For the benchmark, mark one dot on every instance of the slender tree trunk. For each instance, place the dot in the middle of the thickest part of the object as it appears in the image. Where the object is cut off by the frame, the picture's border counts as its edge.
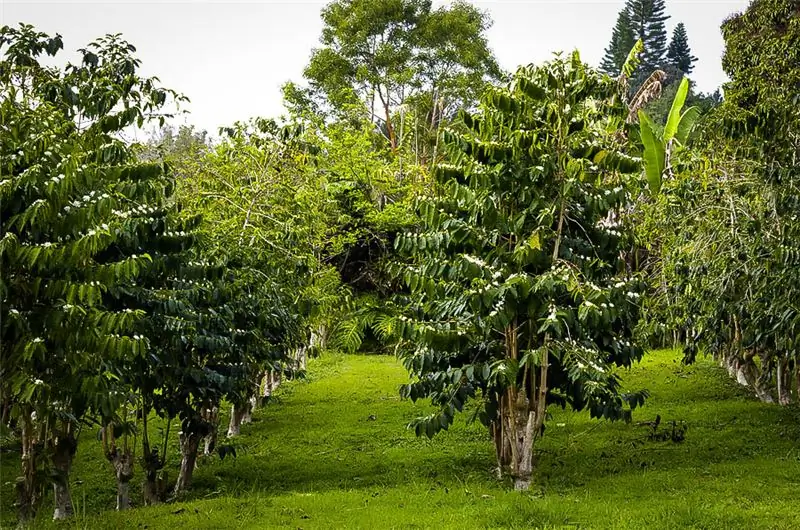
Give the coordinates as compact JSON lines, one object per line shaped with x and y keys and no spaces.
{"x":211,"y":417}
{"x":500,"y":447}
{"x":234,"y":426}
{"x":747,"y":374}
{"x":64,"y":446}
{"x":247,"y":417}
{"x":319,"y":338}
{"x":797,"y":379}
{"x":29,"y":491}
{"x":189,"y":444}
{"x":388,"y":116}
{"x":150,"y":490}
{"x":269,"y":383}
{"x":784,"y":381}
{"x":300,"y":358}
{"x":390,"y":129}
{"x":122,"y":460}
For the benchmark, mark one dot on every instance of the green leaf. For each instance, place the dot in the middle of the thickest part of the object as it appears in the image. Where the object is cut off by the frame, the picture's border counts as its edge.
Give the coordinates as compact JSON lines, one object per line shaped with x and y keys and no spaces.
{"x":633,"y":59}
{"x":654,"y":153}
{"x":688,"y":120}
{"x":531,"y":89}
{"x":674,"y":118}
{"x":534,"y":241}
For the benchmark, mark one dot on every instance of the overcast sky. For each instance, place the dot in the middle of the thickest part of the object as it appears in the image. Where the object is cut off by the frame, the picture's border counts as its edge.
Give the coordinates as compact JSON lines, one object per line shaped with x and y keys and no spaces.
{"x":230,"y":58}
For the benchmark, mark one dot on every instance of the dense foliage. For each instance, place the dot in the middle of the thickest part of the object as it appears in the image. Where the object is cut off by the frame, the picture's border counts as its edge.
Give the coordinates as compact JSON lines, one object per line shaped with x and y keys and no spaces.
{"x":725,"y":230}
{"x":518,"y":293}
{"x":514,"y":239}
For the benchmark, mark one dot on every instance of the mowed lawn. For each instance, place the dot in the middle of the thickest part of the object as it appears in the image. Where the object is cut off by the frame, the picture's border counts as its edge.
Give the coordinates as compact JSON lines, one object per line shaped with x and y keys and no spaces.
{"x":334,"y":452}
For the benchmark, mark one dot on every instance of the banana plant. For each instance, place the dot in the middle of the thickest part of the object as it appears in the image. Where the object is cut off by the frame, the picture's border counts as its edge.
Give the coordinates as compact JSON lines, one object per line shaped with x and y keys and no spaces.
{"x":659,"y":143}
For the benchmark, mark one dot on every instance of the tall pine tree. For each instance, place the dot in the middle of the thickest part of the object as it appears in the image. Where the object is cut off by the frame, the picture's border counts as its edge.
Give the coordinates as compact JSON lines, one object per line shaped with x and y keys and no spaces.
{"x":622,"y":41}
{"x":679,"y":54}
{"x":647,"y":22}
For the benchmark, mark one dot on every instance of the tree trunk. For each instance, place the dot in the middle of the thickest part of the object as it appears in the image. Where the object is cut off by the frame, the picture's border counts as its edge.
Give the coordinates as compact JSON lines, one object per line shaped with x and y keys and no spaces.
{"x":64,"y":447}
{"x":746,"y":374}
{"x":276,"y":378}
{"x":319,"y":338}
{"x":521,"y":409}
{"x":784,"y":382}
{"x":269,"y":382}
{"x":189,"y":442}
{"x":123,"y":472}
{"x":211,"y":416}
{"x":155,"y":481}
{"x":247,"y":417}
{"x":797,"y":378}
{"x":234,"y":426}
{"x":150,"y":491}
{"x":29,"y":491}
{"x":518,"y":429}
{"x":302,"y":357}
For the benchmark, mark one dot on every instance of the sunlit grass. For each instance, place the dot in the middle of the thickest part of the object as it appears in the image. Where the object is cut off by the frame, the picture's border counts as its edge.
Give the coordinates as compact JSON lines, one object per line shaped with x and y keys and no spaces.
{"x":316,"y":458}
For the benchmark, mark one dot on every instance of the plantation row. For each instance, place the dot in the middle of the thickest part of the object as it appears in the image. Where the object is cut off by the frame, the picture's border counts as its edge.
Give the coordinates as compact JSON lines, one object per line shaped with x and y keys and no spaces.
{"x":514,"y":239}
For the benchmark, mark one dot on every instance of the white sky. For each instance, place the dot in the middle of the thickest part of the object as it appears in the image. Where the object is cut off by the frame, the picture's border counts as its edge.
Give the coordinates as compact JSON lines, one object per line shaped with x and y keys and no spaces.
{"x":230,"y":58}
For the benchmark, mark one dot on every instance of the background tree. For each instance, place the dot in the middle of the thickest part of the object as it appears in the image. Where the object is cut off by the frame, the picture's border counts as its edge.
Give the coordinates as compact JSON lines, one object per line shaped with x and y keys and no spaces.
{"x":518,"y":294}
{"x":679,"y":54}
{"x":647,"y":18}
{"x":377,"y":57}
{"x":622,"y":41}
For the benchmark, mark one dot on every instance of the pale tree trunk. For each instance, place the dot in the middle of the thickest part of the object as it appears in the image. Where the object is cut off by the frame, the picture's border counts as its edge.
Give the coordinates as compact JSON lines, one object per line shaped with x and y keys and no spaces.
{"x":189,"y":444}
{"x":269,"y":383}
{"x":797,"y":379}
{"x":29,"y":491}
{"x":784,"y":382}
{"x":746,"y":373}
{"x":319,"y":338}
{"x":247,"y":417}
{"x":63,"y":449}
{"x":522,"y":409}
{"x":154,"y":486}
{"x":211,"y":416}
{"x":234,"y":426}
{"x":300,"y":358}
{"x":740,"y":366}
{"x":517,"y":428}
{"x":275,"y":381}
{"x":122,"y":460}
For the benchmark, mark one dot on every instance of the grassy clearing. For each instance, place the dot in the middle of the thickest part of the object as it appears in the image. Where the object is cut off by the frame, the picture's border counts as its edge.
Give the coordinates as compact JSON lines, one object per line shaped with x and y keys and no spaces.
{"x":316,"y":459}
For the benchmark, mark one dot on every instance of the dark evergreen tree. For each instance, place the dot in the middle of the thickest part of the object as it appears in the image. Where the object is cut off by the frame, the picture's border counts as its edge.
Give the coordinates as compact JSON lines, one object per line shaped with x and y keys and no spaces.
{"x":622,"y":41}
{"x":679,"y":54}
{"x":647,"y":23}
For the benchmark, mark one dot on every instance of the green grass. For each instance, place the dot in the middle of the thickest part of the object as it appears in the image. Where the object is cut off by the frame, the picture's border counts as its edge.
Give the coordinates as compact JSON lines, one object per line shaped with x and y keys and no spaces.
{"x":314,"y":459}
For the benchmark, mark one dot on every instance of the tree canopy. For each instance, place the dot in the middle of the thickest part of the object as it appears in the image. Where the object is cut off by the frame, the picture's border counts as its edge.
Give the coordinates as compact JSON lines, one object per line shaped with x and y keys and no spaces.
{"x":377,"y":58}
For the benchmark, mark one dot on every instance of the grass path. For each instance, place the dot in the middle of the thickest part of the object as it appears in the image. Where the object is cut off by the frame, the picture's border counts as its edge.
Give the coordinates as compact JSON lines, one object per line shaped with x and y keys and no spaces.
{"x":315,"y":458}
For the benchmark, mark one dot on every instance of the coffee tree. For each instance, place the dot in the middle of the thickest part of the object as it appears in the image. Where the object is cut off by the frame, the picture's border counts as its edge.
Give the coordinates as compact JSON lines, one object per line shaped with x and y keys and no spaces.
{"x":65,"y":174}
{"x":725,"y":230}
{"x":518,"y":297}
